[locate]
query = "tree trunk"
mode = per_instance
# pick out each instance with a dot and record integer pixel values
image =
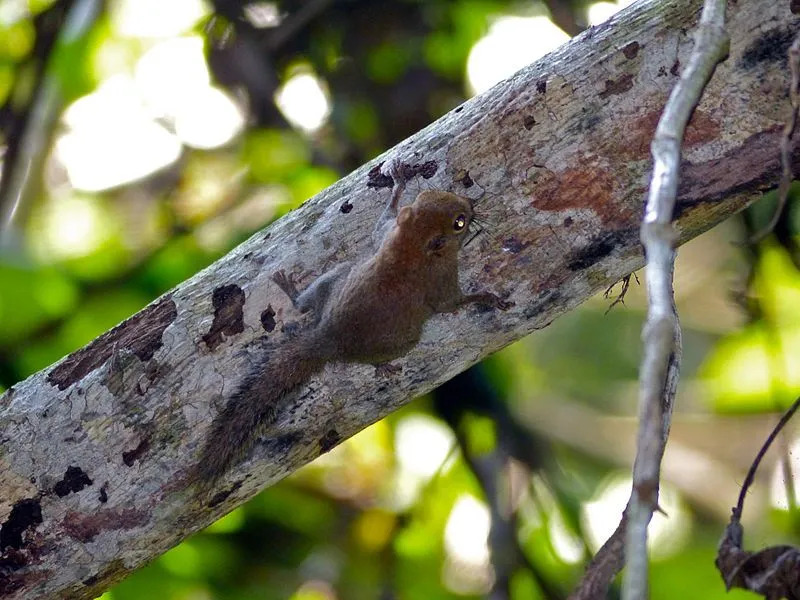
(96, 451)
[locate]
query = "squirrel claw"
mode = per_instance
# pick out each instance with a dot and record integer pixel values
(489, 301)
(503, 305)
(286, 283)
(387, 370)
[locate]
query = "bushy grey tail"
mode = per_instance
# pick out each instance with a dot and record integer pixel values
(254, 406)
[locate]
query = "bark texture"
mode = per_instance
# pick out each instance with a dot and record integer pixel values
(95, 451)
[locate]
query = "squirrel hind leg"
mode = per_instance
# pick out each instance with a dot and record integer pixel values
(316, 296)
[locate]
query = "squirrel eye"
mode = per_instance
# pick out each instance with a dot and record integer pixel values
(460, 223)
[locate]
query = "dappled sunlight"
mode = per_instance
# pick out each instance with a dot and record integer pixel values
(315, 590)
(303, 100)
(111, 139)
(70, 227)
(510, 44)
(174, 82)
(422, 444)
(132, 127)
(602, 11)
(467, 569)
(135, 18)
(669, 532)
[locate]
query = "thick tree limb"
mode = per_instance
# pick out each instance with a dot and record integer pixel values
(95, 451)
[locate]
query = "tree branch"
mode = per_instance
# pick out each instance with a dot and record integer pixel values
(96, 451)
(660, 367)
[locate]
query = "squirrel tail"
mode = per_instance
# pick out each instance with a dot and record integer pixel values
(254, 407)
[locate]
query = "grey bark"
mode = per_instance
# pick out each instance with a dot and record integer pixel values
(95, 451)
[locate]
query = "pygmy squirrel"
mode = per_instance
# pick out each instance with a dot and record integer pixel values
(367, 312)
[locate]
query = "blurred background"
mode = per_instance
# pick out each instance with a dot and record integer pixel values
(143, 139)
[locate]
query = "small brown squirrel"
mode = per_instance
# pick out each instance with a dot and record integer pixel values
(369, 312)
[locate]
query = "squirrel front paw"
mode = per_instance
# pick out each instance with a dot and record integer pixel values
(387, 369)
(286, 283)
(488, 300)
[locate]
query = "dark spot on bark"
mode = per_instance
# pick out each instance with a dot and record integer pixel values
(528, 122)
(220, 497)
(459, 109)
(617, 86)
(568, 222)
(228, 301)
(266, 236)
(630, 50)
(284, 443)
(90, 580)
(753, 165)
(376, 179)
(346, 207)
(11, 560)
(598, 247)
(103, 494)
(141, 334)
(464, 179)
(328, 441)
(25, 514)
(85, 528)
(268, 319)
(541, 302)
(662, 71)
(794, 6)
(589, 118)
(770, 47)
(426, 169)
(74, 481)
(131, 456)
(675, 69)
(514, 246)
(541, 86)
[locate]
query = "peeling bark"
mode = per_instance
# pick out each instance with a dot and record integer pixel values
(556, 158)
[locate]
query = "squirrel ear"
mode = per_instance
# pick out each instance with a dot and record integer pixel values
(404, 215)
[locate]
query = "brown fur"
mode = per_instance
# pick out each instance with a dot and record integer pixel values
(372, 315)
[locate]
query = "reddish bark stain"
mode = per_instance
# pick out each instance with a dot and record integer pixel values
(630, 50)
(588, 187)
(635, 144)
(617, 86)
(85, 528)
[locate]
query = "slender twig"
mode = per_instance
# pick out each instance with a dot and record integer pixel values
(604, 566)
(660, 367)
(786, 141)
(751, 474)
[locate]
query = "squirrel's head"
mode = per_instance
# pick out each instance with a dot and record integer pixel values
(438, 220)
